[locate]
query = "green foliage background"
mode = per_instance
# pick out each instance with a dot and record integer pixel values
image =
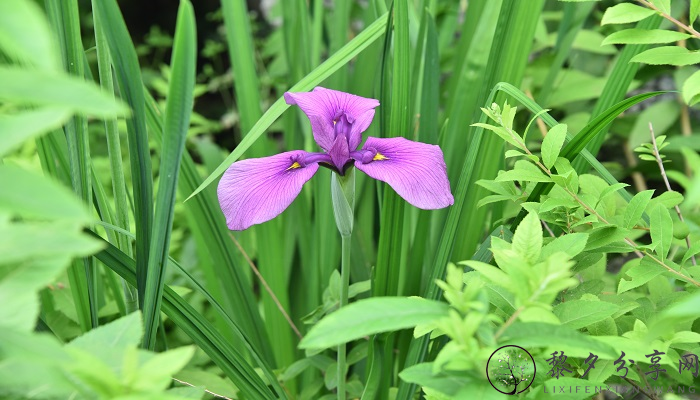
(574, 228)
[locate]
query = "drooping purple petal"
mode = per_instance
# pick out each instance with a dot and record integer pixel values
(416, 171)
(326, 107)
(258, 189)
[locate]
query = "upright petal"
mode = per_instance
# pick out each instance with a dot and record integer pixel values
(258, 189)
(324, 106)
(362, 122)
(416, 171)
(339, 152)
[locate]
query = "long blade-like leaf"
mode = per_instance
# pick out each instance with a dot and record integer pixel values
(177, 120)
(66, 20)
(128, 73)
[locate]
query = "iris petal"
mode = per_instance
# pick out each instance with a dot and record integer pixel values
(257, 190)
(322, 106)
(339, 153)
(416, 171)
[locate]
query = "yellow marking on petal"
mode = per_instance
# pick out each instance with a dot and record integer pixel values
(294, 166)
(379, 157)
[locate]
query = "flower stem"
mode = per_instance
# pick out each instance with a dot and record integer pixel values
(343, 195)
(344, 285)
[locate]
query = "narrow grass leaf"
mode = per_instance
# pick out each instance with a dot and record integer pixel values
(177, 120)
(240, 42)
(128, 73)
(65, 19)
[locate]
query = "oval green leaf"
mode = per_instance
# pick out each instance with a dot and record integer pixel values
(625, 13)
(645, 36)
(371, 316)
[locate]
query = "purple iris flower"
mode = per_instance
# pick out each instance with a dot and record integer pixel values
(256, 190)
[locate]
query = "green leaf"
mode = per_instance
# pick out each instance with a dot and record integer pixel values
(642, 271)
(694, 10)
(663, 5)
(527, 239)
(551, 145)
(571, 244)
(666, 199)
(33, 256)
(371, 316)
(577, 314)
(502, 132)
(694, 249)
(239, 38)
(58, 240)
(636, 208)
(524, 171)
(625, 13)
(667, 320)
(177, 120)
(691, 89)
(129, 80)
(29, 195)
(426, 375)
(610, 190)
(109, 342)
(661, 226)
(491, 273)
(591, 41)
(155, 374)
(209, 380)
(604, 236)
(538, 334)
(668, 55)
(26, 125)
(26, 86)
(685, 337)
(645, 36)
(120, 334)
(26, 36)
